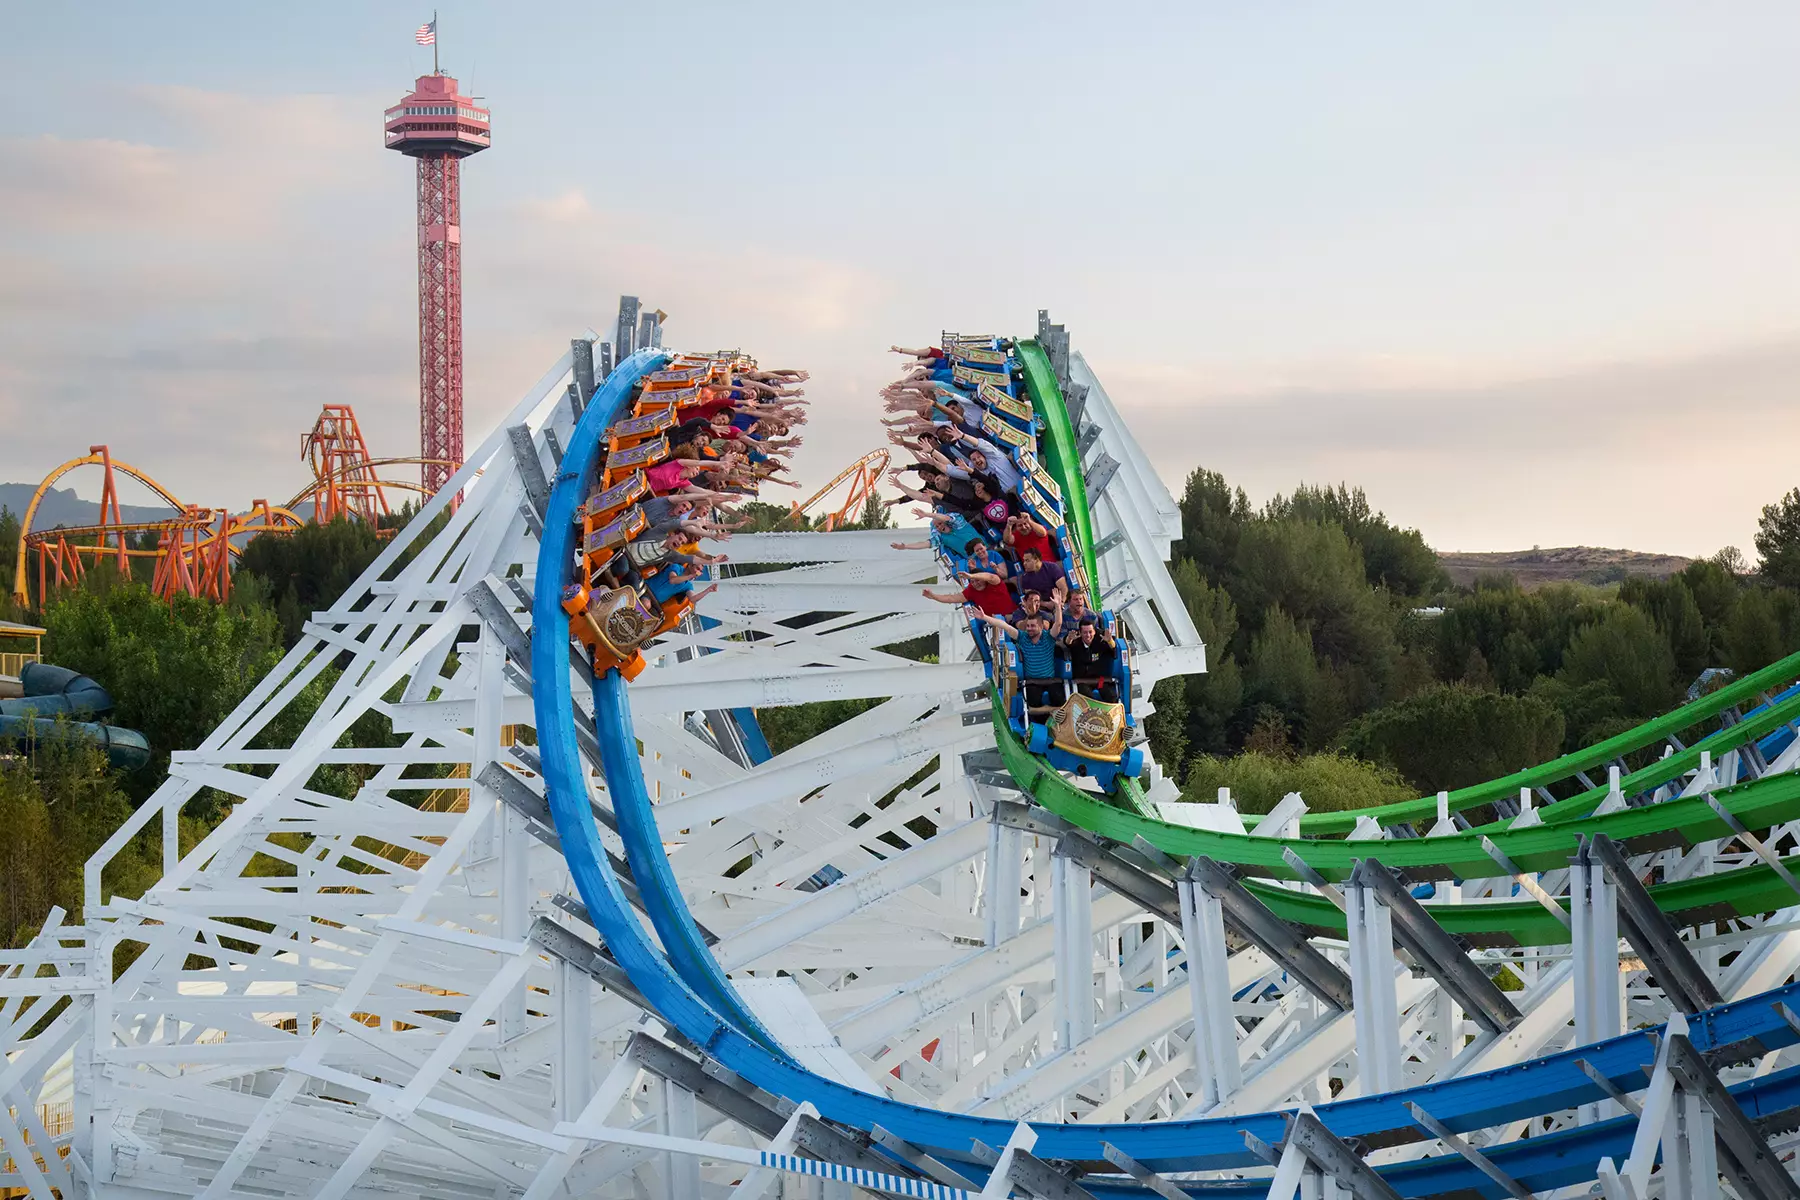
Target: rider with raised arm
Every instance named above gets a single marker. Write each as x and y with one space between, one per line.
1024 533
1037 661
1093 654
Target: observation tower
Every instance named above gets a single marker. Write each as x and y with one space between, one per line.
438 126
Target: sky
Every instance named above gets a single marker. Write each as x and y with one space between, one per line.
1529 274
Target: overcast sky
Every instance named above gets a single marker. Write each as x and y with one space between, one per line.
1528 273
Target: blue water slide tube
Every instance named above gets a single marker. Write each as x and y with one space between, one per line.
52 692
689 991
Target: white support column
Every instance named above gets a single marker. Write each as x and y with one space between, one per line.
1005 858
1073 890
1690 1163
511 839
1377 1007
1209 990
573 1068
1599 985
681 1172
618 1083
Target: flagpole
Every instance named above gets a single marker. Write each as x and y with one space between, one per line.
434 50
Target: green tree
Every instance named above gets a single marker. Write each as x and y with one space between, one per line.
310 568
1762 628
1778 540
1393 558
1282 671
1452 736
1212 699
1625 649
1715 588
9 548
1328 782
1672 608
1519 635
788 726
1591 711
1167 726
175 669
872 515
1311 571
1213 515
765 517
58 804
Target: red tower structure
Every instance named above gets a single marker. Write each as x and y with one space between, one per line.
439 127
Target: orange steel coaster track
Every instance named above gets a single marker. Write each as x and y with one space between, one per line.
194 546
863 477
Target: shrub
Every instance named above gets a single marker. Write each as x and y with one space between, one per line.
1329 782
1451 736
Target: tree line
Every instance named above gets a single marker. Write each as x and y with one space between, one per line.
1341 663
1340 656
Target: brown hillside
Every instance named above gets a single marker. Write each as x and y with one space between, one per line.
1577 564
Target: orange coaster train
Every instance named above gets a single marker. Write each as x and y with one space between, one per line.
614 621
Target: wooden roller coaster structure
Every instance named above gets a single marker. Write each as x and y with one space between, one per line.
194 546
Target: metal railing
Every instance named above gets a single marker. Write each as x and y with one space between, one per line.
14 664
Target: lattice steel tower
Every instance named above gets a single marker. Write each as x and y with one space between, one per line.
439 127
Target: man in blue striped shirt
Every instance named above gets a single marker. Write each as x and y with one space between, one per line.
1037 660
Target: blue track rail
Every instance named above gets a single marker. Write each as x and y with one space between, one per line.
690 991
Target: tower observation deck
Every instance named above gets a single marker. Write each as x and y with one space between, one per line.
439 127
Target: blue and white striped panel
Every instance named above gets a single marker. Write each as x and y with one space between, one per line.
894 1185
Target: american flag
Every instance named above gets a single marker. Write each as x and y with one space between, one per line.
427 34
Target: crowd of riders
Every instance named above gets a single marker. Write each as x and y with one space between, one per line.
1010 563
699 436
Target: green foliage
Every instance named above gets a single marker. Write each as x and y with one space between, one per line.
787 727
1778 540
1519 635
1212 518
1313 572
175 669
1672 608
1626 650
307 570
1393 558
1715 589
1453 735
873 515
1167 726
9 548
1212 699
1329 782
1591 711
1762 628
1282 671
765 517
58 804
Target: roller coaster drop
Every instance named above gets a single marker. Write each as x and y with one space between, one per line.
924 954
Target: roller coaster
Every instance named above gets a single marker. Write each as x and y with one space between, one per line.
934 950
193 548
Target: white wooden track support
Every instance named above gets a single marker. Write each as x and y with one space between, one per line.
345 988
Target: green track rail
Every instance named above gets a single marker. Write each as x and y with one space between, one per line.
1685 821
1749 688
1744 892
1546 846
1059 454
1063 462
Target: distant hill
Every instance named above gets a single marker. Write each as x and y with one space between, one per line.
1563 564
61 506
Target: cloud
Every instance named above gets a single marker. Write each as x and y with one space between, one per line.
192 292
1672 455
191 296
